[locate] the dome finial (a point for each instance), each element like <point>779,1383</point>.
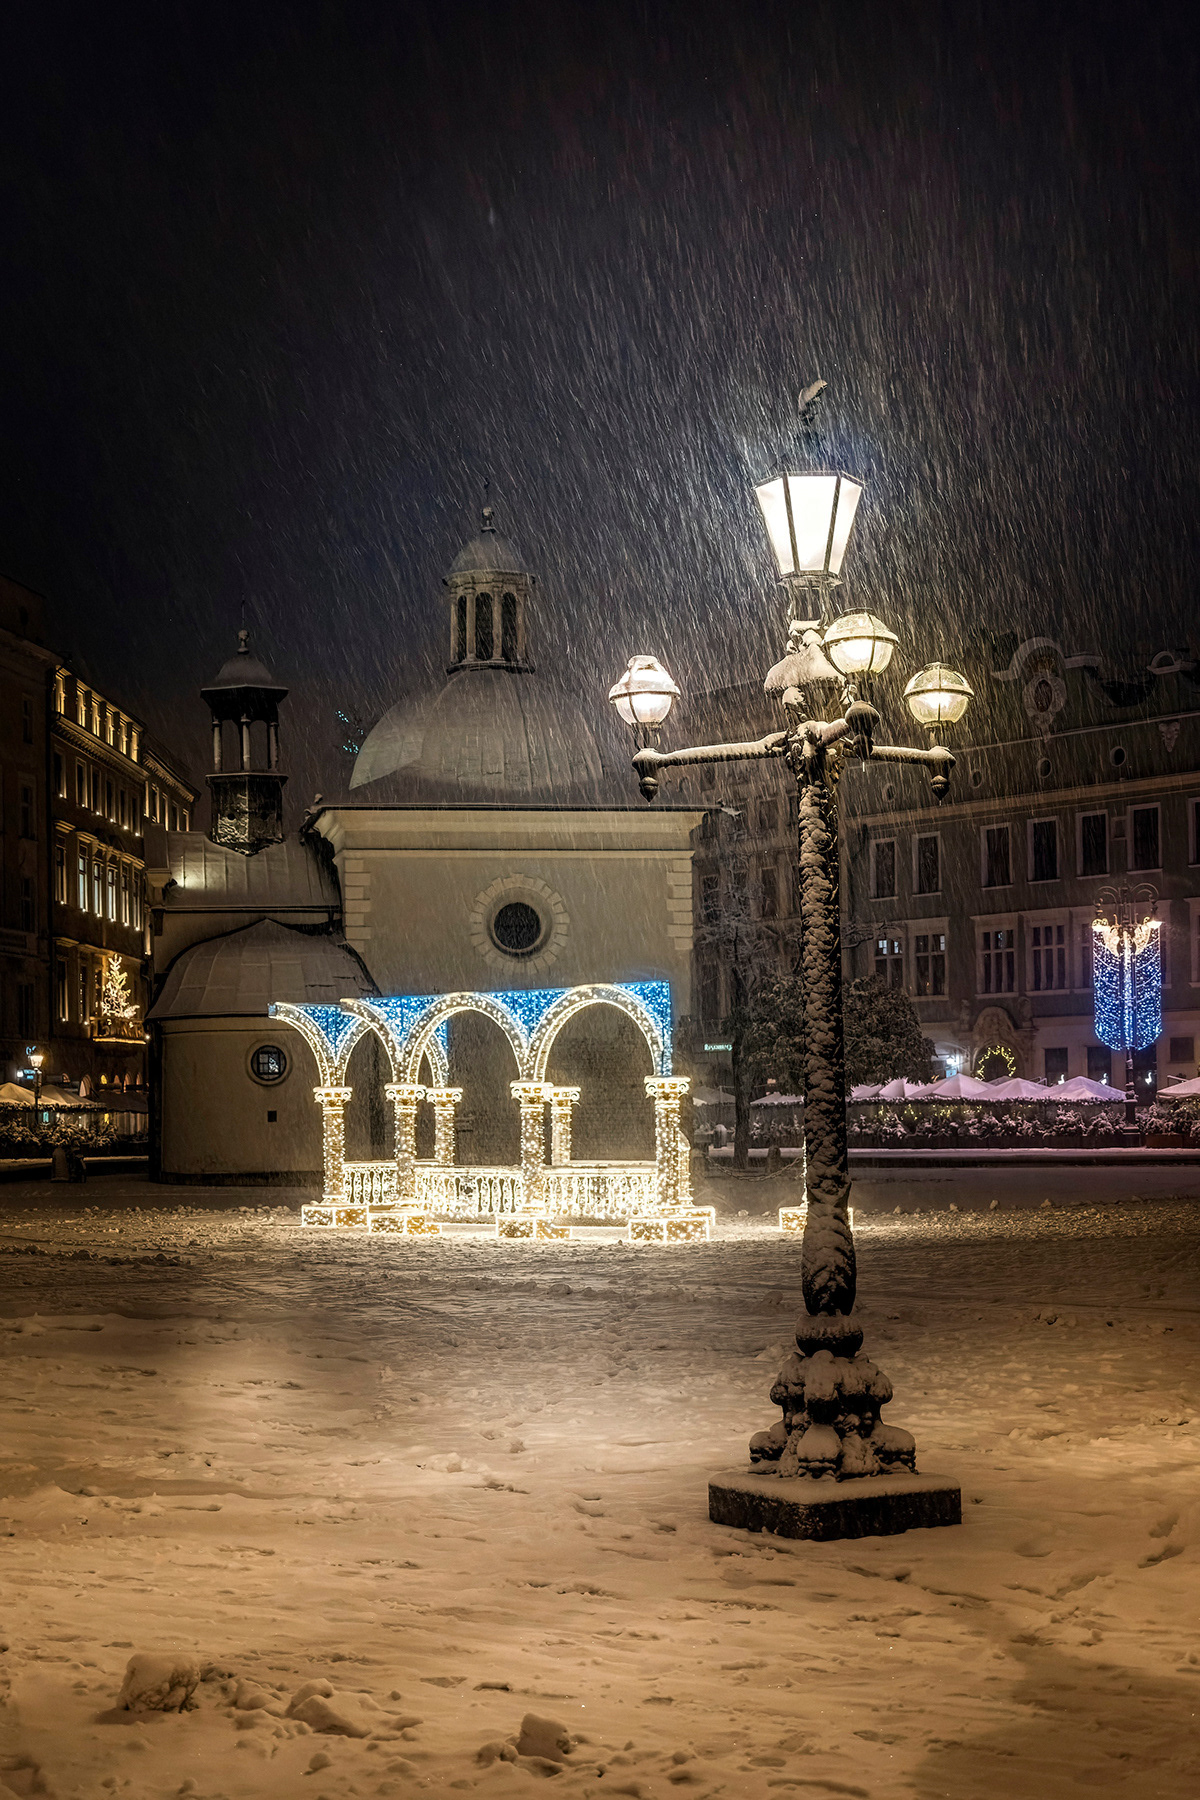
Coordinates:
<point>489,519</point>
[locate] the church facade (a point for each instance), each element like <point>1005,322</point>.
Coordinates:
<point>491,839</point>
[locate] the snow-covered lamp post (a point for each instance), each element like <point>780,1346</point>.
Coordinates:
<point>1127,977</point>
<point>830,1395</point>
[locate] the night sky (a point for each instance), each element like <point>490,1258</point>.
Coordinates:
<point>285,284</point>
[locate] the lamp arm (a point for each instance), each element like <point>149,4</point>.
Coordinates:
<point>647,762</point>
<point>938,760</point>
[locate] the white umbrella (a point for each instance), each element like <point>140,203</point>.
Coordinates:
<point>963,1087</point>
<point>12,1095</point>
<point>869,1091</point>
<point>1080,1087</point>
<point>1015,1088</point>
<point>1183,1090</point>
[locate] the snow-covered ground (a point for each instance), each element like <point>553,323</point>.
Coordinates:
<point>459,1483</point>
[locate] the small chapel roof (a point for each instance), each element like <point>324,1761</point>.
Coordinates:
<point>487,553</point>
<point>209,878</point>
<point>240,974</point>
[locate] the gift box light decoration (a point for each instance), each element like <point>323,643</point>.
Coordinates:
<point>399,1195</point>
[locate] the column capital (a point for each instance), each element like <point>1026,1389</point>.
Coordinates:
<point>562,1096</point>
<point>332,1096</point>
<point>667,1087</point>
<point>444,1096</point>
<point>408,1093</point>
<point>531,1093</point>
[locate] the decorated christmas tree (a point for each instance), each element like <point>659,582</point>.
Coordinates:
<point>117,1010</point>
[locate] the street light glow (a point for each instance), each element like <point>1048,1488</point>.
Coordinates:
<point>645,693</point>
<point>809,519</point>
<point>860,644</point>
<point>938,695</point>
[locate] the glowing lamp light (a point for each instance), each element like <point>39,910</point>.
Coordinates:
<point>809,519</point>
<point>645,693</point>
<point>938,695</point>
<point>36,1058</point>
<point>860,644</point>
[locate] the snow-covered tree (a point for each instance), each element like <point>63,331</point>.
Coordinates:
<point>883,1035</point>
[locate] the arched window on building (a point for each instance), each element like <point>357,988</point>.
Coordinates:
<point>484,636</point>
<point>460,634</point>
<point>508,628</point>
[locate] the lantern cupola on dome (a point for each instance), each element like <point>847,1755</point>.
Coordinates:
<point>489,589</point>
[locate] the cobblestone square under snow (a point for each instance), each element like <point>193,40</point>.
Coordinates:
<point>453,1483</point>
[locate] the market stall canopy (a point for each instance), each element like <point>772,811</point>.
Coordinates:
<point>1081,1088</point>
<point>907,1090</point>
<point>868,1091</point>
<point>779,1100</point>
<point>1183,1090</point>
<point>712,1097</point>
<point>1016,1088</point>
<point>962,1087</point>
<point>12,1095</point>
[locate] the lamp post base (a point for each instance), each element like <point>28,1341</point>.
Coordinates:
<point>801,1507</point>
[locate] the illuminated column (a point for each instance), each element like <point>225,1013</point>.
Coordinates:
<point>333,1140</point>
<point>667,1091</point>
<point>405,1097</point>
<point>532,1096</point>
<point>562,1099</point>
<point>444,1099</point>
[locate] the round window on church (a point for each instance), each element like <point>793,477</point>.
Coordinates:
<point>268,1063</point>
<point>517,928</point>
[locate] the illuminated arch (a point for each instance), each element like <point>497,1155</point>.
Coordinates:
<point>574,1000</point>
<point>330,1032</point>
<point>422,1039</point>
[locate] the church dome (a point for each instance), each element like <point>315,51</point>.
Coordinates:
<point>487,553</point>
<point>491,737</point>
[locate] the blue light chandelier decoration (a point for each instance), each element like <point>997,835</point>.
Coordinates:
<point>1127,970</point>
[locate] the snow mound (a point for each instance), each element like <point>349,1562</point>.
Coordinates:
<point>158,1683</point>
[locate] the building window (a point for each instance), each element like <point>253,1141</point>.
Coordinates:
<point>61,1005</point>
<point>60,696</point>
<point>110,726</point>
<point>81,706</point>
<point>60,873</point>
<point>136,886</point>
<point>25,1024</point>
<point>710,993</point>
<point>883,868</point>
<point>81,864</point>
<point>929,960</point>
<point>928,865</point>
<point>187,822</point>
<point>1143,838</point>
<point>123,744</point>
<point>460,635</point>
<point>1099,1063</point>
<point>1183,1050</point>
<point>133,744</point>
<point>26,720</point>
<point>1056,1067</point>
<point>81,785</point>
<point>174,817</point>
<point>768,813</point>
<point>95,790</point>
<point>28,811</point>
<point>85,990</point>
<point>110,811</point>
<point>97,989</point>
<point>1049,958</point>
<point>60,777</point>
<point>98,887</point>
<point>121,807</point>
<point>268,1063</point>
<point>889,962</point>
<point>997,856</point>
<point>155,797</point>
<point>508,628</point>
<point>1043,849</point>
<point>999,972</point>
<point>768,892</point>
<point>112,891</point>
<point>28,909</point>
<point>1085,956</point>
<point>95,717</point>
<point>484,637</point>
<point>1093,844</point>
<point>125,915</point>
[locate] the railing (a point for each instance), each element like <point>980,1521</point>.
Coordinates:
<point>370,1184</point>
<point>599,1190</point>
<point>469,1191</point>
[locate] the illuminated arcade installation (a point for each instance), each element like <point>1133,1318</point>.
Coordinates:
<point>1127,977</point>
<point>537,1199</point>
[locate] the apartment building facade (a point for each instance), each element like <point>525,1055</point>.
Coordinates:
<point>1073,775</point>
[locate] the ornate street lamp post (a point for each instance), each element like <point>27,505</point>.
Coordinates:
<point>830,1394</point>
<point>36,1059</point>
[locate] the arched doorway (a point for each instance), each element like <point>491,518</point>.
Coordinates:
<point>604,1053</point>
<point>483,1065</point>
